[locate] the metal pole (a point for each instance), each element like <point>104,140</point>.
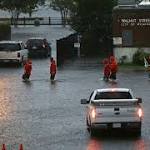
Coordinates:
<point>49,21</point>
<point>78,40</point>
<point>24,21</point>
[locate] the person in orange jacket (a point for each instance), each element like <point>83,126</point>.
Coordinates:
<point>27,70</point>
<point>106,70</point>
<point>53,69</point>
<point>113,68</point>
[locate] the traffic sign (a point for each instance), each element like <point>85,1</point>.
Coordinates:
<point>77,45</point>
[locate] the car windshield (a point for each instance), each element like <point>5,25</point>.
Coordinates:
<point>9,47</point>
<point>35,42</point>
<point>113,95</point>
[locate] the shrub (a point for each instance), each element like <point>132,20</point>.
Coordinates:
<point>138,57</point>
<point>5,31</point>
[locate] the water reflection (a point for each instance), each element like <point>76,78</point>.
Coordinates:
<point>116,140</point>
<point>94,144</point>
<point>28,83</point>
<point>4,102</point>
<point>139,145</point>
<point>113,84</point>
<point>53,84</point>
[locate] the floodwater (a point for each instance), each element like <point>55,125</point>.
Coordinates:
<point>46,115</point>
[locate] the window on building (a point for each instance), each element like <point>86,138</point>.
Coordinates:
<point>127,38</point>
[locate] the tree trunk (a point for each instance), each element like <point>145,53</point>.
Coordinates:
<point>63,18</point>
<point>30,14</point>
<point>15,16</point>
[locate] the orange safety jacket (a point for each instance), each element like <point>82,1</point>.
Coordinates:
<point>53,68</point>
<point>28,68</point>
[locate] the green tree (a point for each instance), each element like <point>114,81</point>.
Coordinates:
<point>64,6</point>
<point>93,19</point>
<point>30,6</point>
<point>18,6</point>
<point>41,2</point>
<point>93,15</point>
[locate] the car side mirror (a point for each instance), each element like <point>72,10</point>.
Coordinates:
<point>84,101</point>
<point>139,100</point>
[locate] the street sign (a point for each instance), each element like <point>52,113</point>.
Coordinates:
<point>77,45</point>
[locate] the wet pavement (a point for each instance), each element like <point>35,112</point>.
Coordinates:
<point>51,33</point>
<point>46,115</point>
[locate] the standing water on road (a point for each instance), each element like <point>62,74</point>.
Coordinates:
<point>46,116</point>
<point>51,33</point>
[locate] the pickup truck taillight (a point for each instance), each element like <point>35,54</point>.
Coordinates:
<point>140,112</point>
<point>93,113</point>
<point>18,54</point>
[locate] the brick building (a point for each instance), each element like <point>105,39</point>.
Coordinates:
<point>131,29</point>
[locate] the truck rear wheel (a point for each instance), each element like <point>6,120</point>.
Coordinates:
<point>138,130</point>
<point>87,126</point>
<point>91,131</point>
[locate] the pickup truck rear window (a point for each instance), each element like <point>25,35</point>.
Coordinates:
<point>34,42</point>
<point>113,95</point>
<point>10,47</point>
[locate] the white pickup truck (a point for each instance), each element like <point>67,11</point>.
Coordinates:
<point>13,51</point>
<point>113,108</point>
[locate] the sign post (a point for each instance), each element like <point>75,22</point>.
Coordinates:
<point>77,45</point>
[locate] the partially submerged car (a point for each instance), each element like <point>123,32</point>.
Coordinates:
<point>38,47</point>
<point>113,108</point>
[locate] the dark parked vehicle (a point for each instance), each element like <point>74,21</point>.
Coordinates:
<point>38,47</point>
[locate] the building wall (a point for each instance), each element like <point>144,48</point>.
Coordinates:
<point>128,53</point>
<point>137,23</point>
<point>131,31</point>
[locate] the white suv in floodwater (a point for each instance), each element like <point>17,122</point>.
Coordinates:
<point>13,51</point>
<point>113,108</point>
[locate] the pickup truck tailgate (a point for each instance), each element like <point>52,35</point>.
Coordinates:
<point>8,55</point>
<point>117,111</point>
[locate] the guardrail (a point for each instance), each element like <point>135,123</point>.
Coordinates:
<point>36,21</point>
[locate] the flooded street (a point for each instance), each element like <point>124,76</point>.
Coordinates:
<point>45,115</point>
<point>51,33</point>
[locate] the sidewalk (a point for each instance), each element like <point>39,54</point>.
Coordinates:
<point>126,67</point>
<point>97,63</point>
<point>83,63</point>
